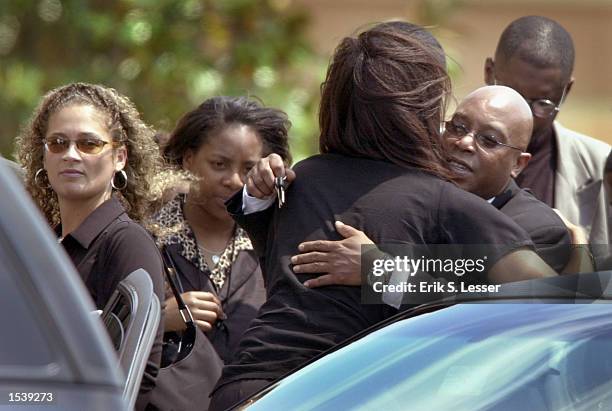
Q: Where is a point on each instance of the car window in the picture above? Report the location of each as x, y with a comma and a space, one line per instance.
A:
117, 320
131, 317
466, 357
24, 344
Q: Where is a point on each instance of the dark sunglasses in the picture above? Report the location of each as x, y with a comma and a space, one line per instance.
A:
87, 145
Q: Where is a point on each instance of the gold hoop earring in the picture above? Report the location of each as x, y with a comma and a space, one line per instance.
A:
125, 180
37, 179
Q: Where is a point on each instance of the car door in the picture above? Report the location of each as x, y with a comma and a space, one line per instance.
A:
131, 317
52, 350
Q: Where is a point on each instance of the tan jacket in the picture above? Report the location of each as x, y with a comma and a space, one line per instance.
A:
579, 188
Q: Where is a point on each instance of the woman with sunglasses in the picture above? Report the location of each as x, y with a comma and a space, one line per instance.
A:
89, 162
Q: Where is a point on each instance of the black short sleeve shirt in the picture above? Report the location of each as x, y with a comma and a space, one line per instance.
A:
392, 205
106, 248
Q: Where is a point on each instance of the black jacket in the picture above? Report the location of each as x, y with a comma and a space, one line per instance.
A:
241, 296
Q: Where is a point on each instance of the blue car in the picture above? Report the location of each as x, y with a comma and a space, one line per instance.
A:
542, 345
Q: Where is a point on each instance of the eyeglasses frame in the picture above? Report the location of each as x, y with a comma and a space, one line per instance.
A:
556, 107
474, 136
75, 142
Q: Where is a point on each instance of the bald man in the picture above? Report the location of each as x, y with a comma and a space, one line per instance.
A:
486, 141
487, 138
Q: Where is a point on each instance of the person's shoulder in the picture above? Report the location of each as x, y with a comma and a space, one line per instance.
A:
524, 206
310, 165
126, 230
540, 221
451, 194
335, 161
128, 246
327, 160
465, 218
459, 203
312, 161
580, 149
588, 145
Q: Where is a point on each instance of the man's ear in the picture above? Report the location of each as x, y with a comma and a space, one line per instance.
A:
568, 88
121, 158
489, 71
520, 164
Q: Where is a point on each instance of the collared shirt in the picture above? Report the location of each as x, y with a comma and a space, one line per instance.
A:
106, 248
175, 229
539, 175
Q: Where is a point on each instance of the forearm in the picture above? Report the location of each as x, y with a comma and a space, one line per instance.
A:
581, 260
518, 265
255, 224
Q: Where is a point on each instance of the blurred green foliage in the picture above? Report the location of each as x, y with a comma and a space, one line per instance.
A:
166, 55
435, 15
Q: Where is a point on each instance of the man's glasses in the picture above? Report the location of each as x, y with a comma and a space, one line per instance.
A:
88, 145
542, 107
484, 141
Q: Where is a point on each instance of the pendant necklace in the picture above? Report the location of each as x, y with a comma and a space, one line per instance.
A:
215, 256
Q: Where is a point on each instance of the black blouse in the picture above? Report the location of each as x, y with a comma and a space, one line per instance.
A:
106, 248
392, 205
236, 280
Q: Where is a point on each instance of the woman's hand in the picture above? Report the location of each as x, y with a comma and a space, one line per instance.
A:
577, 233
260, 180
581, 259
205, 308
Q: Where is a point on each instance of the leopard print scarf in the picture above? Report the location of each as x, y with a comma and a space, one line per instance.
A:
170, 221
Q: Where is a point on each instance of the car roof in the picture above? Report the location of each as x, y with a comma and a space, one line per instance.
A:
565, 289
589, 286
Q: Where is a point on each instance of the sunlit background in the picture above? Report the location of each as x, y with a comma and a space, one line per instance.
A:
170, 55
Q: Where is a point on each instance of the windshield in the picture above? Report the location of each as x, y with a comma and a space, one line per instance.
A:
466, 357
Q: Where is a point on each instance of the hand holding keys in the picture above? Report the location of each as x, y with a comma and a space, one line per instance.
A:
268, 176
279, 186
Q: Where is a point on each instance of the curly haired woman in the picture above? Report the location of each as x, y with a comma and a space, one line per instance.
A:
89, 162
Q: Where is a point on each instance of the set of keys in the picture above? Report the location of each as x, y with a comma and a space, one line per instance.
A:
279, 185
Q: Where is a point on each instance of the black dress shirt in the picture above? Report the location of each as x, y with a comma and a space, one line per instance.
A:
392, 205
546, 229
539, 175
106, 248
